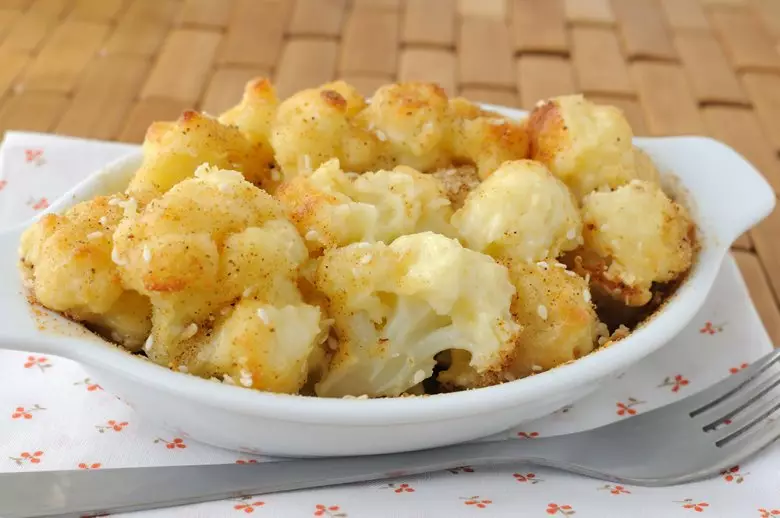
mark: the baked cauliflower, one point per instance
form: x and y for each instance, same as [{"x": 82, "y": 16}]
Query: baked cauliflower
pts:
[
  {"x": 558, "y": 324},
  {"x": 318, "y": 124},
  {"x": 173, "y": 150},
  {"x": 397, "y": 306},
  {"x": 520, "y": 212},
  {"x": 207, "y": 243},
  {"x": 484, "y": 139},
  {"x": 68, "y": 258},
  {"x": 331, "y": 208},
  {"x": 586, "y": 145},
  {"x": 634, "y": 236}
]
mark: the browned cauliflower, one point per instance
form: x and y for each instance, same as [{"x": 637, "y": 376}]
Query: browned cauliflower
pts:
[
  {"x": 209, "y": 242},
  {"x": 588, "y": 146},
  {"x": 634, "y": 236},
  {"x": 396, "y": 307},
  {"x": 318, "y": 124},
  {"x": 520, "y": 212},
  {"x": 173, "y": 150},
  {"x": 70, "y": 269},
  {"x": 331, "y": 208}
]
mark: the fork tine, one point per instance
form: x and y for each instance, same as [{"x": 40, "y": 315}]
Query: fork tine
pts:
[
  {"x": 754, "y": 421},
  {"x": 745, "y": 399},
  {"x": 720, "y": 392}
]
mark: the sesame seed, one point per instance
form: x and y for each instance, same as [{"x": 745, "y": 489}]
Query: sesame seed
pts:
[
  {"x": 263, "y": 314},
  {"x": 95, "y": 235},
  {"x": 571, "y": 234},
  {"x": 419, "y": 376},
  {"x": 586, "y": 295},
  {"x": 103, "y": 220},
  {"x": 246, "y": 378},
  {"x": 543, "y": 265},
  {"x": 184, "y": 369},
  {"x": 366, "y": 259},
  {"x": 536, "y": 368},
  {"x": 189, "y": 331},
  {"x": 312, "y": 235},
  {"x": 381, "y": 135},
  {"x": 147, "y": 254},
  {"x": 541, "y": 310},
  {"x": 149, "y": 343},
  {"x": 228, "y": 379}
]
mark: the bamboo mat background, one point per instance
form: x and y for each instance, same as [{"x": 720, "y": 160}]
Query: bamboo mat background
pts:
[{"x": 106, "y": 68}]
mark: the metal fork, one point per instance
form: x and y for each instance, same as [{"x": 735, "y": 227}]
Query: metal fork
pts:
[{"x": 688, "y": 440}]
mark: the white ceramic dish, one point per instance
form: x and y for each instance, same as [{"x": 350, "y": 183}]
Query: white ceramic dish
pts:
[{"x": 727, "y": 196}]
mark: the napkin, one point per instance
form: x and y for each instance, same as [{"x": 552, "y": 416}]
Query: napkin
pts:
[{"x": 53, "y": 416}]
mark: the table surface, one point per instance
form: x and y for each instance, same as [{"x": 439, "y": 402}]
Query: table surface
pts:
[{"x": 106, "y": 68}]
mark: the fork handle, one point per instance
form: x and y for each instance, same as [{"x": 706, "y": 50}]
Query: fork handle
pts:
[{"x": 90, "y": 493}]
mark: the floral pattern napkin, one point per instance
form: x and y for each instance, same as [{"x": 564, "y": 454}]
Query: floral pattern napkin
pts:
[{"x": 52, "y": 416}]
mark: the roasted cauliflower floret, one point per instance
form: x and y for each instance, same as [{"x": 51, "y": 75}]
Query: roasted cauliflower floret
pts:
[
  {"x": 483, "y": 138},
  {"x": 588, "y": 146},
  {"x": 207, "y": 242},
  {"x": 260, "y": 345},
  {"x": 520, "y": 212},
  {"x": 331, "y": 208},
  {"x": 413, "y": 120},
  {"x": 318, "y": 124},
  {"x": 634, "y": 236},
  {"x": 396, "y": 306},
  {"x": 70, "y": 266},
  {"x": 173, "y": 150}
]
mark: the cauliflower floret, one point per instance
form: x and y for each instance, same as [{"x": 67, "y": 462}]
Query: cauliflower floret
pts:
[
  {"x": 634, "y": 236},
  {"x": 521, "y": 211},
  {"x": 318, "y": 124},
  {"x": 588, "y": 146},
  {"x": 173, "y": 150},
  {"x": 260, "y": 345},
  {"x": 485, "y": 139},
  {"x": 396, "y": 307},
  {"x": 331, "y": 208},
  {"x": 457, "y": 183},
  {"x": 413, "y": 120},
  {"x": 70, "y": 266},
  {"x": 558, "y": 324},
  {"x": 204, "y": 244}
]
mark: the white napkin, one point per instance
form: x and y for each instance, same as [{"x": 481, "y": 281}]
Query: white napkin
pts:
[{"x": 52, "y": 416}]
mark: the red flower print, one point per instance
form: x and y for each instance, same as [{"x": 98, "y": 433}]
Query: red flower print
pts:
[
  {"x": 39, "y": 204},
  {"x": 111, "y": 425},
  {"x": 241, "y": 461},
  {"x": 247, "y": 506},
  {"x": 528, "y": 435},
  {"x": 461, "y": 469},
  {"x": 711, "y": 329},
  {"x": 91, "y": 387},
  {"x": 735, "y": 370},
  {"x": 331, "y": 511},
  {"x": 689, "y": 503},
  {"x": 32, "y": 458},
  {"x": 399, "y": 488},
  {"x": 176, "y": 443},
  {"x": 733, "y": 475},
  {"x": 768, "y": 513},
  {"x": 41, "y": 362},
  {"x": 3, "y": 183},
  {"x": 530, "y": 478},
  {"x": 675, "y": 382},
  {"x": 25, "y": 413},
  {"x": 563, "y": 510},
  {"x": 34, "y": 156},
  {"x": 476, "y": 501},
  {"x": 628, "y": 407},
  {"x": 615, "y": 490},
  {"x": 94, "y": 465}
]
